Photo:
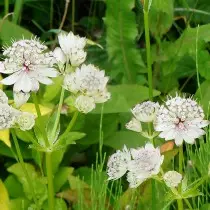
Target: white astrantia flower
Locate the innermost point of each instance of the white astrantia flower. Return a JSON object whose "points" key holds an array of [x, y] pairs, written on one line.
{"points": [[3, 97], [181, 119], [84, 104], [88, 81], [134, 125], [146, 111], [7, 116], [20, 98], [172, 178], [118, 163], [146, 162], [28, 64], [71, 49], [25, 121]]}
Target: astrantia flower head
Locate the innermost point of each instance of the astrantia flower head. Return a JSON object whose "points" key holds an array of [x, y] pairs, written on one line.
{"points": [[180, 119], [84, 104], [71, 49], [28, 64], [3, 97], [172, 178], [7, 116], [88, 81], [134, 125], [118, 163], [146, 111], [146, 163], [25, 121]]}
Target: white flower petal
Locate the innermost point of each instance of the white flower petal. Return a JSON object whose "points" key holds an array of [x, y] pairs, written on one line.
{"points": [[10, 80], [20, 98], [23, 83]]}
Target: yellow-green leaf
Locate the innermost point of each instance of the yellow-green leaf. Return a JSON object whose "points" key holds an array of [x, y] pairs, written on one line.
{"points": [[30, 107], [4, 136], [1, 85], [4, 197]]}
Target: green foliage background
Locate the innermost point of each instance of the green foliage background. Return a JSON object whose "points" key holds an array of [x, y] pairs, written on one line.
{"points": [[118, 27]]}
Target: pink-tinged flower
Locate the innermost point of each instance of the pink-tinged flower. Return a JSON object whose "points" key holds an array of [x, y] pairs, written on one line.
{"points": [[181, 119], [28, 64]]}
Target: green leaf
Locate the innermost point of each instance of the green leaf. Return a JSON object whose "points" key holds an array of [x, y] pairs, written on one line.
{"points": [[122, 100], [128, 138], [36, 180], [121, 34], [10, 31], [204, 101], [14, 187], [161, 17], [60, 204], [4, 136], [61, 177], [205, 206], [69, 138], [4, 197], [55, 89], [19, 204]]}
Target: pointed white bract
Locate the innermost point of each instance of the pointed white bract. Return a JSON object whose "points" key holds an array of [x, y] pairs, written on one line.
{"points": [[141, 164], [172, 178], [28, 65], [25, 121], [71, 49], [118, 163], [181, 119], [146, 111], [20, 98], [146, 162], [134, 125], [88, 81]]}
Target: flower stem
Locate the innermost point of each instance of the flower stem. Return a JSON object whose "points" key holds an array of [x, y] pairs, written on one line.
{"points": [[57, 119], [40, 121], [149, 72], [20, 159], [179, 201], [50, 180], [47, 156], [148, 50], [70, 125]]}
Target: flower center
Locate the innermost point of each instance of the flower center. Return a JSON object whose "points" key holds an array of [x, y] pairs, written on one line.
{"points": [[180, 123], [26, 65]]}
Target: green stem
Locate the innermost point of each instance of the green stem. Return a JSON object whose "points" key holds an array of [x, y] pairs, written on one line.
{"points": [[40, 121], [101, 135], [47, 155], [51, 200], [17, 11], [70, 125], [57, 119], [179, 201], [73, 15], [6, 7], [20, 158], [188, 204], [148, 50], [51, 13], [196, 62]]}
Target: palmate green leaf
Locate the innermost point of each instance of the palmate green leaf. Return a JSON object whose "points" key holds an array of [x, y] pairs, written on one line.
{"points": [[38, 182], [160, 16], [121, 34], [10, 31], [124, 97], [128, 138]]}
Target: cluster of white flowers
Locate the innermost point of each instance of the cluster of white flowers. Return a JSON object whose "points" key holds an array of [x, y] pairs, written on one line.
{"points": [[86, 82], [11, 117], [29, 64], [143, 112], [180, 119], [172, 178], [141, 164], [71, 49]]}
